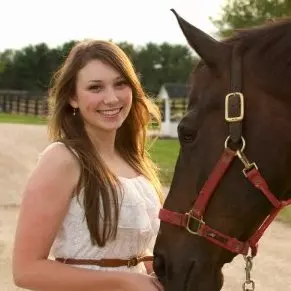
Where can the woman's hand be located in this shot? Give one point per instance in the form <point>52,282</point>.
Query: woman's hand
<point>149,267</point>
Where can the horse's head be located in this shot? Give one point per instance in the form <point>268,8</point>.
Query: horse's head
<point>256,62</point>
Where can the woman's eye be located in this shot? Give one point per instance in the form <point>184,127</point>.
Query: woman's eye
<point>95,88</point>
<point>121,84</point>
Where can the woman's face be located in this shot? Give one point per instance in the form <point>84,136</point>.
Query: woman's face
<point>103,97</point>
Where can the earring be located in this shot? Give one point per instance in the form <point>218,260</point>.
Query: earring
<point>74,111</point>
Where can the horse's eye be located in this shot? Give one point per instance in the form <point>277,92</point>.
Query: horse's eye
<point>187,137</point>
<point>186,134</point>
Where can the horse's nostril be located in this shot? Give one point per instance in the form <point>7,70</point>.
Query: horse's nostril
<point>159,266</point>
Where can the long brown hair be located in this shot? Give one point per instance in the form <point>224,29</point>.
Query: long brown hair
<point>101,201</point>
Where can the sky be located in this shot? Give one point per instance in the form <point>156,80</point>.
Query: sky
<point>25,22</point>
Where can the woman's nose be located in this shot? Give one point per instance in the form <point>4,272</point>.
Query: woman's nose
<point>111,96</point>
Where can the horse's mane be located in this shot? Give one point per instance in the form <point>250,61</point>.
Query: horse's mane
<point>269,50</point>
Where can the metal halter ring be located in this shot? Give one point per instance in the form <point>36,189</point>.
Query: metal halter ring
<point>242,147</point>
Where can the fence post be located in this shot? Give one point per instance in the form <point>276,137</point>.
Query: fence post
<point>17,104</point>
<point>36,106</point>
<point>26,105</point>
<point>166,124</point>
<point>4,103</point>
<point>10,103</point>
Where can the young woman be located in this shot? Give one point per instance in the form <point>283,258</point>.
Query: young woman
<point>93,199</point>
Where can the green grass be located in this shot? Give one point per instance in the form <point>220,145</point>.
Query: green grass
<point>285,215</point>
<point>23,119</point>
<point>164,153</point>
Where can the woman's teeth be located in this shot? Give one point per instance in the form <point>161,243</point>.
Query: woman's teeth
<point>110,112</point>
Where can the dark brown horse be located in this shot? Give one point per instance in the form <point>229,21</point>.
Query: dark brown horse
<point>220,136</point>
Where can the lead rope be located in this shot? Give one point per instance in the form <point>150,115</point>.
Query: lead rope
<point>249,284</point>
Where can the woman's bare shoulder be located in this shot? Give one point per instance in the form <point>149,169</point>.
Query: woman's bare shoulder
<point>56,159</point>
<point>58,152</point>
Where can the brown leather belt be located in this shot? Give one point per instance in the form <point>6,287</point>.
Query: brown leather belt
<point>106,262</point>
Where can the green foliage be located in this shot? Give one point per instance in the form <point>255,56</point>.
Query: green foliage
<point>159,64</point>
<point>31,68</point>
<point>238,14</point>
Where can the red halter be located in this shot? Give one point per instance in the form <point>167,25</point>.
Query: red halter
<point>193,220</point>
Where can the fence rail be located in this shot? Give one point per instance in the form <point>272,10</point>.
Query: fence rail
<point>178,108</point>
<point>22,102</point>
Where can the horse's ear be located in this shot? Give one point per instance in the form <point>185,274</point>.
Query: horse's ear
<point>210,50</point>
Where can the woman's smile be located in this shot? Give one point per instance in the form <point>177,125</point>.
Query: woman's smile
<point>110,112</point>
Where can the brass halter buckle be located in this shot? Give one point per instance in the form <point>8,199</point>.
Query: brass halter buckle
<point>194,224</point>
<point>240,116</point>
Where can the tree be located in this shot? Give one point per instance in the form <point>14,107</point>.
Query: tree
<point>6,68</point>
<point>177,62</point>
<point>148,67</point>
<point>31,68</point>
<point>65,49</point>
<point>159,64</point>
<point>247,13</point>
<point>129,49</point>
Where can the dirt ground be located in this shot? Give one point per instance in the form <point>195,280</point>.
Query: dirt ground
<point>19,149</point>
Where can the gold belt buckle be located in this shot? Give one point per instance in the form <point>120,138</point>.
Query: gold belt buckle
<point>132,262</point>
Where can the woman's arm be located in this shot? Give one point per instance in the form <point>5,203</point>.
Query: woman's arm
<point>45,203</point>
<point>149,267</point>
<point>149,264</point>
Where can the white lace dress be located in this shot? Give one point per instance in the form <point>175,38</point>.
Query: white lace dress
<point>137,228</point>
